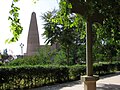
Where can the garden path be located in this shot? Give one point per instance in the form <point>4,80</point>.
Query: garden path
<point>108,82</point>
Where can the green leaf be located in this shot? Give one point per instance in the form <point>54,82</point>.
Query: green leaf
<point>15,0</point>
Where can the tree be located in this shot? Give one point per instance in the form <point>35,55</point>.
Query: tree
<point>106,45</point>
<point>109,10</point>
<point>66,29</point>
<point>107,36</point>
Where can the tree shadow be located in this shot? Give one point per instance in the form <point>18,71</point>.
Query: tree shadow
<point>110,75</point>
<point>100,86</point>
<point>58,86</point>
<point>108,87</point>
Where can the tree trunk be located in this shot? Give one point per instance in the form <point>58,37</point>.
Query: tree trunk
<point>68,55</point>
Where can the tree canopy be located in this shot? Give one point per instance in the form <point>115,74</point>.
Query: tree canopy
<point>106,36</point>
<point>110,9</point>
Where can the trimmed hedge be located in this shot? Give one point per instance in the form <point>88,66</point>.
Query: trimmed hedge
<point>35,76</point>
<point>76,71</point>
<point>106,68</point>
<point>31,76</point>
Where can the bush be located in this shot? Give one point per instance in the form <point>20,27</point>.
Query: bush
<point>59,58</point>
<point>43,57</point>
<point>1,64</point>
<point>28,60</point>
<point>31,76</point>
<point>106,67</point>
<point>76,71</point>
<point>19,77</point>
<point>31,60</point>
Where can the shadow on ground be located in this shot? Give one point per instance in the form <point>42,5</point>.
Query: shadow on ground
<point>108,87</point>
<point>59,86</point>
<point>110,75</point>
<point>100,86</point>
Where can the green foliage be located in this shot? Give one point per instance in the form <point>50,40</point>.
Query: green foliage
<point>106,44</point>
<point>1,64</point>
<point>69,29</point>
<point>31,76</point>
<point>20,77</point>
<point>66,29</point>
<point>76,71</point>
<point>103,68</point>
<point>44,55</point>
<point>59,58</point>
<point>15,27</point>
<point>106,40</point>
<point>62,26</point>
<point>31,60</point>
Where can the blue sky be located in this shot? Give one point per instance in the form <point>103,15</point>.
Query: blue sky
<point>26,8</point>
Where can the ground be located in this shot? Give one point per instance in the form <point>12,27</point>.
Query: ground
<point>108,82</point>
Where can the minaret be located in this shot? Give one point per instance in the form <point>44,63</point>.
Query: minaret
<point>33,36</point>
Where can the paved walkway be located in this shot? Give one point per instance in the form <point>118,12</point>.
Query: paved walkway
<point>109,82</point>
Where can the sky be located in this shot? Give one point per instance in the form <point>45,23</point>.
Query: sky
<point>26,9</point>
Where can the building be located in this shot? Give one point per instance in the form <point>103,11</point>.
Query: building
<point>33,42</point>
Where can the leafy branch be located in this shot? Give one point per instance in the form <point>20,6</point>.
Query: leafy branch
<point>15,27</point>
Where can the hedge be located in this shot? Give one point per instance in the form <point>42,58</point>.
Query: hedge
<point>35,76</point>
<point>31,76</point>
<point>106,68</point>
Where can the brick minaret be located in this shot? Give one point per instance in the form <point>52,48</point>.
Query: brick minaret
<point>33,36</point>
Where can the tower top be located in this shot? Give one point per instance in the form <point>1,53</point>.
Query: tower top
<point>33,13</point>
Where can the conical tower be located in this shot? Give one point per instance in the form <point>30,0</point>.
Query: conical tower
<point>33,36</point>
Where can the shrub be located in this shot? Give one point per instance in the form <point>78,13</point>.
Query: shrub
<point>31,76</point>
<point>19,77</point>
<point>41,58</point>
<point>76,71</point>
<point>1,64</point>
<point>28,60</point>
<point>106,67</point>
<point>32,60</point>
<point>59,58</point>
